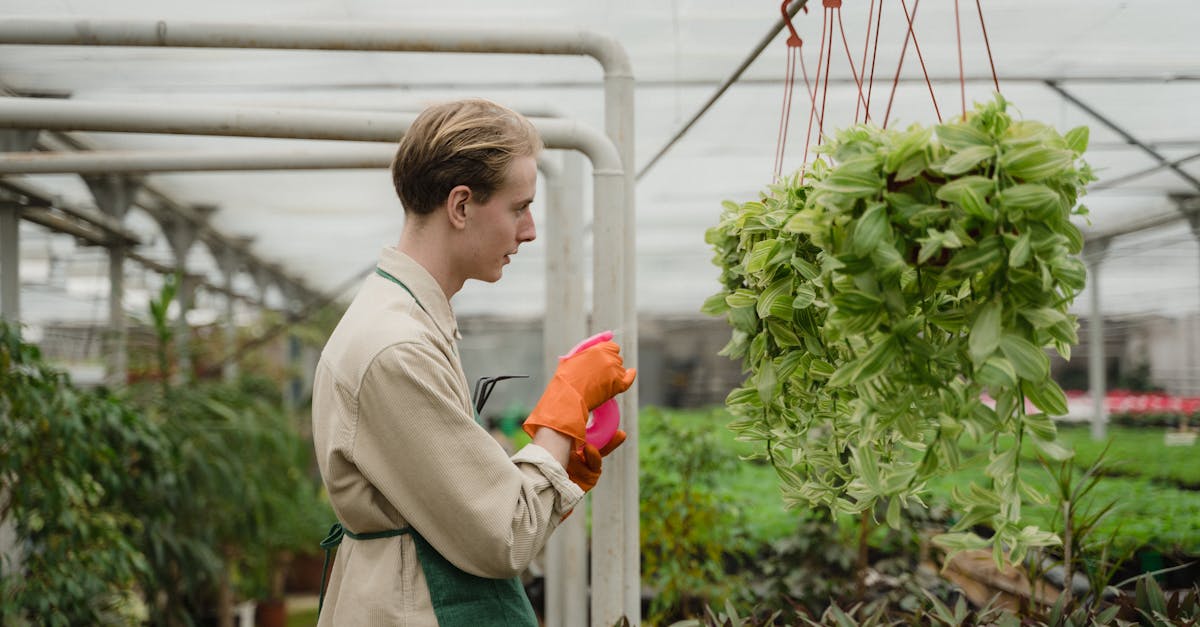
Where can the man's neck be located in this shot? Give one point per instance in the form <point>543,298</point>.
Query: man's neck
<point>430,251</point>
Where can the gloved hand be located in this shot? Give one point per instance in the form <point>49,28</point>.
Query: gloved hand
<point>583,467</point>
<point>581,383</point>
<point>617,439</point>
<point>584,464</point>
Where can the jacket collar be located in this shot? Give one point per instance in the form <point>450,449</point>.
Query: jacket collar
<point>424,288</point>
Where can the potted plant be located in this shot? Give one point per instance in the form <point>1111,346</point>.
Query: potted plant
<point>879,299</point>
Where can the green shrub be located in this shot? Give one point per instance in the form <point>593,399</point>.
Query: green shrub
<point>686,529</point>
<point>76,470</point>
<point>154,495</point>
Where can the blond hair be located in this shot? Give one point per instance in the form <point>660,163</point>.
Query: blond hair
<point>465,142</point>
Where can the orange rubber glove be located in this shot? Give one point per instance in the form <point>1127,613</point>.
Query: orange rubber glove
<point>584,465</point>
<point>581,383</point>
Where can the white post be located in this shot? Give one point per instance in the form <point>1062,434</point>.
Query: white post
<point>227,261</point>
<point>616,568</point>
<point>114,196</point>
<point>1096,384</point>
<point>565,324</point>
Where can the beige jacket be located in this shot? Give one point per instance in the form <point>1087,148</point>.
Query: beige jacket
<point>398,445</point>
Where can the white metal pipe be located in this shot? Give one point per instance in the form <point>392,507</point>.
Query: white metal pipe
<point>367,156</point>
<point>616,576</point>
<point>272,122</point>
<point>117,362</point>
<point>357,36</point>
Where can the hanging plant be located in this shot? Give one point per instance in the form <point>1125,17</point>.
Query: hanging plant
<point>877,298</point>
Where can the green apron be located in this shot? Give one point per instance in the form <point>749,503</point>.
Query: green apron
<point>459,598</point>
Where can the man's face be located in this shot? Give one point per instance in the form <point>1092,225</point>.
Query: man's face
<point>496,228</point>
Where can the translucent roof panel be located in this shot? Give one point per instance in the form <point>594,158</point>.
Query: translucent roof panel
<point>1134,63</point>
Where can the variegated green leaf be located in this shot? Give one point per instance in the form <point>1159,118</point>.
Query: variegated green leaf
<point>1036,162</point>
<point>966,160</point>
<point>985,332</point>
<point>970,193</point>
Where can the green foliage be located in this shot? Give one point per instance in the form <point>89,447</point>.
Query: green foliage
<point>248,494</point>
<point>1136,453</point>
<point>876,300</point>
<point>72,464</point>
<point>1076,521</point>
<point>686,529</point>
<point>114,497</point>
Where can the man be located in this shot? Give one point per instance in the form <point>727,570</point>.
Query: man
<point>438,521</point>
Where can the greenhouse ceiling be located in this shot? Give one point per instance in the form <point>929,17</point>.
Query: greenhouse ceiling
<point>1137,64</point>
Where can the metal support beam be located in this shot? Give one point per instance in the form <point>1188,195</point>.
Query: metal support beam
<point>1094,253</point>
<point>141,162</point>
<point>114,196</point>
<point>96,228</point>
<point>229,261</point>
<point>10,260</point>
<point>1126,135</point>
<point>181,235</point>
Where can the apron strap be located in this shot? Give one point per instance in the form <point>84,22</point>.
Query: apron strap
<point>334,538</point>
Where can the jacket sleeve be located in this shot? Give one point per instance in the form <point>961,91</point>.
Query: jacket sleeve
<point>415,442</point>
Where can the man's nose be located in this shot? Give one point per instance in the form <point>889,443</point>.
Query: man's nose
<point>527,232</point>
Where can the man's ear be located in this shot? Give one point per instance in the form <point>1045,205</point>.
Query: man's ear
<point>456,206</point>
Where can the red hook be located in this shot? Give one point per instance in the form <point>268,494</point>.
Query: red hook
<point>793,40</point>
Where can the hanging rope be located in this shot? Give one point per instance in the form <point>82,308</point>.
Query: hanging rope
<point>864,78</point>
<point>910,34</point>
<point>812,114</point>
<point>987,44</point>
<point>850,59</point>
<point>863,64</point>
<point>794,45</point>
<point>874,55</point>
<point>962,82</point>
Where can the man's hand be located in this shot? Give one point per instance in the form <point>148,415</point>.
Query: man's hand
<point>580,384</point>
